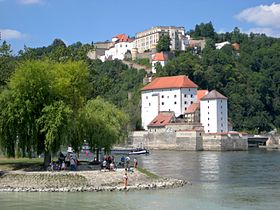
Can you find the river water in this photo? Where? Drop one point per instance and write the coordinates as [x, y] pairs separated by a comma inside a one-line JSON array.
[[220, 180]]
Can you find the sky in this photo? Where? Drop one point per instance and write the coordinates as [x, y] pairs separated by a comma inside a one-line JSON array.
[[36, 23]]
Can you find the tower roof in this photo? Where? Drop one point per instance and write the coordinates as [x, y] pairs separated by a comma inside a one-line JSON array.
[[213, 95], [180, 81]]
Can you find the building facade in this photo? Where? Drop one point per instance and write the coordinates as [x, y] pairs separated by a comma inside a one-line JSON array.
[[121, 45], [147, 40], [175, 94], [214, 112]]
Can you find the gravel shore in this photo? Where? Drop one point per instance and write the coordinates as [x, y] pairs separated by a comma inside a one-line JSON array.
[[81, 181]]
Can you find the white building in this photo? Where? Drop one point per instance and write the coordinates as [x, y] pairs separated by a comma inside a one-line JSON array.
[[214, 112], [148, 39], [221, 45], [121, 45], [158, 58], [174, 93]]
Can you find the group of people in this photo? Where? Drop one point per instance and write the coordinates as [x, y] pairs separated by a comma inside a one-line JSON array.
[[125, 162], [108, 163], [57, 166]]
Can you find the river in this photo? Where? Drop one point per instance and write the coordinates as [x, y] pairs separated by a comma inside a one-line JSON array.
[[220, 180]]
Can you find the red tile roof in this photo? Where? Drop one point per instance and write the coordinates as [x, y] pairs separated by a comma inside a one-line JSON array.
[[180, 81], [159, 57], [193, 107], [161, 119], [122, 38], [201, 93]]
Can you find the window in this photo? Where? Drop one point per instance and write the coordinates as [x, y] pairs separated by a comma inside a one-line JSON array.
[[185, 102], [208, 112], [208, 107], [185, 95], [175, 96], [189, 89], [191, 102], [208, 118], [162, 103], [208, 131], [146, 97], [175, 102], [120, 45], [185, 108], [208, 125], [222, 131], [191, 95], [208, 101], [162, 96], [167, 96], [221, 118], [222, 125], [149, 104]]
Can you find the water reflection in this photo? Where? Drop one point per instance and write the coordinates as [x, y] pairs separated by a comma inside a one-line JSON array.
[[209, 167]]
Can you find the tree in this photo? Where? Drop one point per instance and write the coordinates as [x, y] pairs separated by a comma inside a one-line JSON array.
[[102, 124], [163, 43], [203, 30], [7, 64], [41, 100]]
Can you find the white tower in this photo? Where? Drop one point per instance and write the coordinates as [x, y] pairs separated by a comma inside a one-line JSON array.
[[214, 112]]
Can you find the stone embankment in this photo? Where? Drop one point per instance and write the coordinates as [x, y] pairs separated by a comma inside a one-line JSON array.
[[81, 181]]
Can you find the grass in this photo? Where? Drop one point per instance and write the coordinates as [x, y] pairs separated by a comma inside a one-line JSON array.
[[148, 173], [19, 163]]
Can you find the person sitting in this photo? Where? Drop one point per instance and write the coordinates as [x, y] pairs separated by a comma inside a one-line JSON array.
[[103, 165], [63, 166], [112, 166]]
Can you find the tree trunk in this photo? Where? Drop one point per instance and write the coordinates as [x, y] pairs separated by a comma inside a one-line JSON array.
[[97, 154], [47, 159]]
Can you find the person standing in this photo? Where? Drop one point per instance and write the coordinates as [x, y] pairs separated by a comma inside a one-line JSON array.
[[135, 163], [125, 180]]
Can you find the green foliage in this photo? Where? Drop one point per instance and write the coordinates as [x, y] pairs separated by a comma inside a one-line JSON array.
[[203, 30], [102, 124], [144, 61], [42, 97], [163, 43], [7, 64], [248, 77]]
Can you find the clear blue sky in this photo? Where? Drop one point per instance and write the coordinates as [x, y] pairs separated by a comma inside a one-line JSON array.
[[37, 23]]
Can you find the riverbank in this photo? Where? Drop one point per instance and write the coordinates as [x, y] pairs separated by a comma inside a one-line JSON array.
[[82, 181]]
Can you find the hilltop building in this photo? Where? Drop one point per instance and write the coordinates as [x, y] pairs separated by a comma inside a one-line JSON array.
[[121, 45], [147, 40]]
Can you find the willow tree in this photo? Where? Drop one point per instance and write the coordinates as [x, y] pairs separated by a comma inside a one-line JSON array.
[[39, 103], [102, 124]]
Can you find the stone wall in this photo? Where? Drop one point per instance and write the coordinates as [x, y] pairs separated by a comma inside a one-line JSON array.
[[188, 140], [180, 140], [225, 142]]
